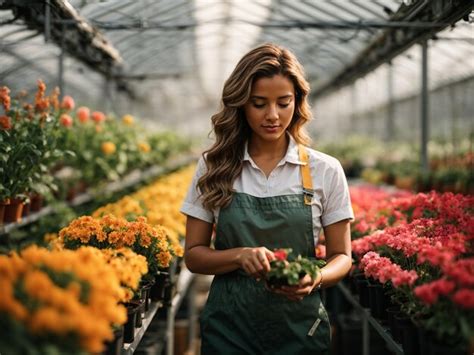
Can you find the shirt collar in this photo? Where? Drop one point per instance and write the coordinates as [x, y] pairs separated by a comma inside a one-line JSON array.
[[291, 155]]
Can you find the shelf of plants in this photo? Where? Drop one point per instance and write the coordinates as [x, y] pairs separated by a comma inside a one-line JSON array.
[[367, 317]]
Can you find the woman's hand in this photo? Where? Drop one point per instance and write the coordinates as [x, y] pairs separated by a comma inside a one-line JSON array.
[[256, 261], [299, 291]]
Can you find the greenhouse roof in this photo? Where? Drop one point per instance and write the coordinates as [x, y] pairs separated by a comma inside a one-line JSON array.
[[193, 45]]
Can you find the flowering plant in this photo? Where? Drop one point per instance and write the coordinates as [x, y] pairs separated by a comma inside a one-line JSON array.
[[29, 136], [288, 270], [112, 232], [62, 302]]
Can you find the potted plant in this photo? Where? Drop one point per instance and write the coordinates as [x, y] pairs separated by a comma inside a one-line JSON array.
[[288, 270]]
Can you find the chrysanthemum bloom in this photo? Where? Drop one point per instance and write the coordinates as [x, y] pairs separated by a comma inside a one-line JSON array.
[[144, 147], [5, 122], [65, 120], [108, 148], [128, 120], [98, 116], [83, 114], [68, 103]]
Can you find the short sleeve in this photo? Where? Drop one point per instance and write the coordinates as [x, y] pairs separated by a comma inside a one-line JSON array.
[[192, 204], [337, 205]]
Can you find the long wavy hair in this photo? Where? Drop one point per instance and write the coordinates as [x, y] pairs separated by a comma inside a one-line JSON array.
[[224, 158]]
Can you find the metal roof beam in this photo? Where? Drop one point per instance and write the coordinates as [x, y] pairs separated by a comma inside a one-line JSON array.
[[394, 41]]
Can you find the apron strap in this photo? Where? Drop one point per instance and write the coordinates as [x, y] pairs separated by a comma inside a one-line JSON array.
[[308, 191]]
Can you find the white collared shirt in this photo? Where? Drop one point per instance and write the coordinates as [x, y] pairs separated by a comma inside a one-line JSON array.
[[330, 204]]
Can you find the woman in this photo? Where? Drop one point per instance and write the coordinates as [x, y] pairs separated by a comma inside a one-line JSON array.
[[263, 189]]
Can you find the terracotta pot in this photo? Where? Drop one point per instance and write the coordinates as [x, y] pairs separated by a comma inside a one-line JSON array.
[[36, 202], [13, 211], [3, 204]]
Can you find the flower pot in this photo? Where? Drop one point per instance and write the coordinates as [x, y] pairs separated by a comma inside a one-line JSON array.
[[392, 312], [409, 335], [146, 287], [363, 290], [157, 291], [423, 341], [129, 328], [438, 348], [13, 211], [114, 347], [140, 314], [377, 301], [36, 202], [3, 205]]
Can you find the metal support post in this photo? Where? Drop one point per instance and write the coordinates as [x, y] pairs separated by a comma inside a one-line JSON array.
[[47, 20], [424, 108], [365, 336], [61, 65], [192, 314], [389, 127]]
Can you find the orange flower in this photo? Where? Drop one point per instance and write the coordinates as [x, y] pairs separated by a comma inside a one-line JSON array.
[[41, 102], [98, 128], [128, 120], [68, 103], [5, 122], [53, 99], [83, 113], [65, 120], [108, 148], [98, 116], [5, 98], [144, 147]]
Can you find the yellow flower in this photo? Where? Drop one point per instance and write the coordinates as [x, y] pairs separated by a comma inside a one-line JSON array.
[[144, 147], [108, 148], [128, 120]]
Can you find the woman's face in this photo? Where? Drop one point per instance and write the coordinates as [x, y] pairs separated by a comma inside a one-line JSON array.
[[270, 108]]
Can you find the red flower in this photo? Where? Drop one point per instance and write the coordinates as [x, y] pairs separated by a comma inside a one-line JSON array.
[[465, 298], [5, 122], [83, 114], [98, 116], [67, 103], [65, 120], [280, 254]]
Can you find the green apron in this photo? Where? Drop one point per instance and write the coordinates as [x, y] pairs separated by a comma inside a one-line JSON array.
[[241, 316]]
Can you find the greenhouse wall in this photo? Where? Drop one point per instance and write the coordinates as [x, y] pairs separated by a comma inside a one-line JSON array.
[[451, 119]]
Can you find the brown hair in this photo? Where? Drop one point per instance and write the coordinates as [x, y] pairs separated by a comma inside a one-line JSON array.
[[224, 158]]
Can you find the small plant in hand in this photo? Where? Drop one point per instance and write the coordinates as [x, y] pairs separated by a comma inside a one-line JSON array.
[[287, 270]]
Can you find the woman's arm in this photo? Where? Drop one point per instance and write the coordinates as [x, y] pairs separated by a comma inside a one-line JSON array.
[[339, 262], [201, 258]]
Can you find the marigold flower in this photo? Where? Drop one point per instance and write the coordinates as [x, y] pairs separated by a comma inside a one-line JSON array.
[[83, 114], [144, 147], [65, 120], [68, 103], [108, 148], [98, 117], [128, 120], [5, 122]]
